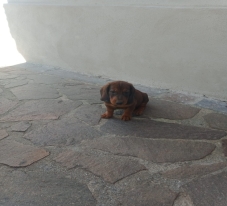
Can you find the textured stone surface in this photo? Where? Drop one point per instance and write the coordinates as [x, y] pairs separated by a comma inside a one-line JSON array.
[[183, 200], [47, 79], [157, 108], [147, 194], [216, 121], [139, 189], [140, 162], [20, 127], [6, 105], [3, 134], [91, 114], [194, 170], [110, 168], [40, 109], [178, 97], [224, 146], [208, 191], [15, 83], [6, 76], [62, 132], [28, 189], [161, 130], [83, 92], [35, 91], [215, 105], [153, 150], [15, 154]]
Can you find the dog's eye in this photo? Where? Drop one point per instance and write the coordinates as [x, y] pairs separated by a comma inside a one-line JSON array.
[[112, 92]]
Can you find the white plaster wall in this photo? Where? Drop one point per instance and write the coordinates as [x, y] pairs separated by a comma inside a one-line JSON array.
[[168, 44]]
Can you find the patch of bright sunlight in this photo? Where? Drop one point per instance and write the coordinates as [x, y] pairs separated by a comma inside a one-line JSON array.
[[9, 54]]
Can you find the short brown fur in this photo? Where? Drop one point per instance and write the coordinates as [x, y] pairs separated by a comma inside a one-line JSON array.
[[122, 95]]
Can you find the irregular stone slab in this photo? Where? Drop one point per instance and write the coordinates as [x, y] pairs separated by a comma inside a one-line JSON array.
[[15, 68], [91, 114], [110, 168], [178, 97], [140, 189], [15, 154], [224, 146], [6, 76], [20, 127], [208, 191], [6, 105], [46, 79], [43, 188], [15, 83], [3, 134], [152, 92], [4, 82], [40, 109], [216, 121], [215, 105], [157, 108], [145, 194], [153, 150], [35, 91], [162, 130], [83, 92], [183, 200], [19, 72], [194, 170], [62, 132]]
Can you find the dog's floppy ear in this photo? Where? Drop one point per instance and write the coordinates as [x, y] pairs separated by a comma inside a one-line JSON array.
[[104, 91], [131, 94]]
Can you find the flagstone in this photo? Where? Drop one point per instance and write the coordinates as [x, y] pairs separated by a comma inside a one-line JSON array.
[[21, 126], [44, 188], [6, 105], [216, 105], [35, 91], [208, 191], [68, 131], [224, 146], [160, 151], [140, 189], [16, 154], [193, 171], [157, 108], [111, 168], [87, 92], [159, 130], [216, 121], [91, 114], [16, 83], [3, 134], [41, 109]]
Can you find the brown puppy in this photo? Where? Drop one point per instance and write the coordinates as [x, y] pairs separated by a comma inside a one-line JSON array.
[[122, 95]]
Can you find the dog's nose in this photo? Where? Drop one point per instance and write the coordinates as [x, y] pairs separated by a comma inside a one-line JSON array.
[[119, 102]]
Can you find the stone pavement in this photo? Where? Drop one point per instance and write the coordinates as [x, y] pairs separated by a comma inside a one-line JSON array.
[[55, 149]]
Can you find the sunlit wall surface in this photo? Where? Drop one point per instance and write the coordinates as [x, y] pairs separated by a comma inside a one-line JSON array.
[[9, 54], [170, 44]]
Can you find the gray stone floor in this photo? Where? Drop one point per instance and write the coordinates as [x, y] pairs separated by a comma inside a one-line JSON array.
[[55, 149]]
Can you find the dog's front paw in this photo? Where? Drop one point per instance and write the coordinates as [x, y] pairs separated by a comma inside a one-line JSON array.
[[125, 117], [139, 110], [106, 115]]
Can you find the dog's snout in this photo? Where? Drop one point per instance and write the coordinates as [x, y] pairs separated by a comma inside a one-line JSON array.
[[119, 102]]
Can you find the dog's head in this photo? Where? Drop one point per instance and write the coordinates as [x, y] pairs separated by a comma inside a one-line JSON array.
[[117, 93]]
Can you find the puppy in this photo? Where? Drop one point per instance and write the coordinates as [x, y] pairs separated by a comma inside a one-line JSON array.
[[122, 95]]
